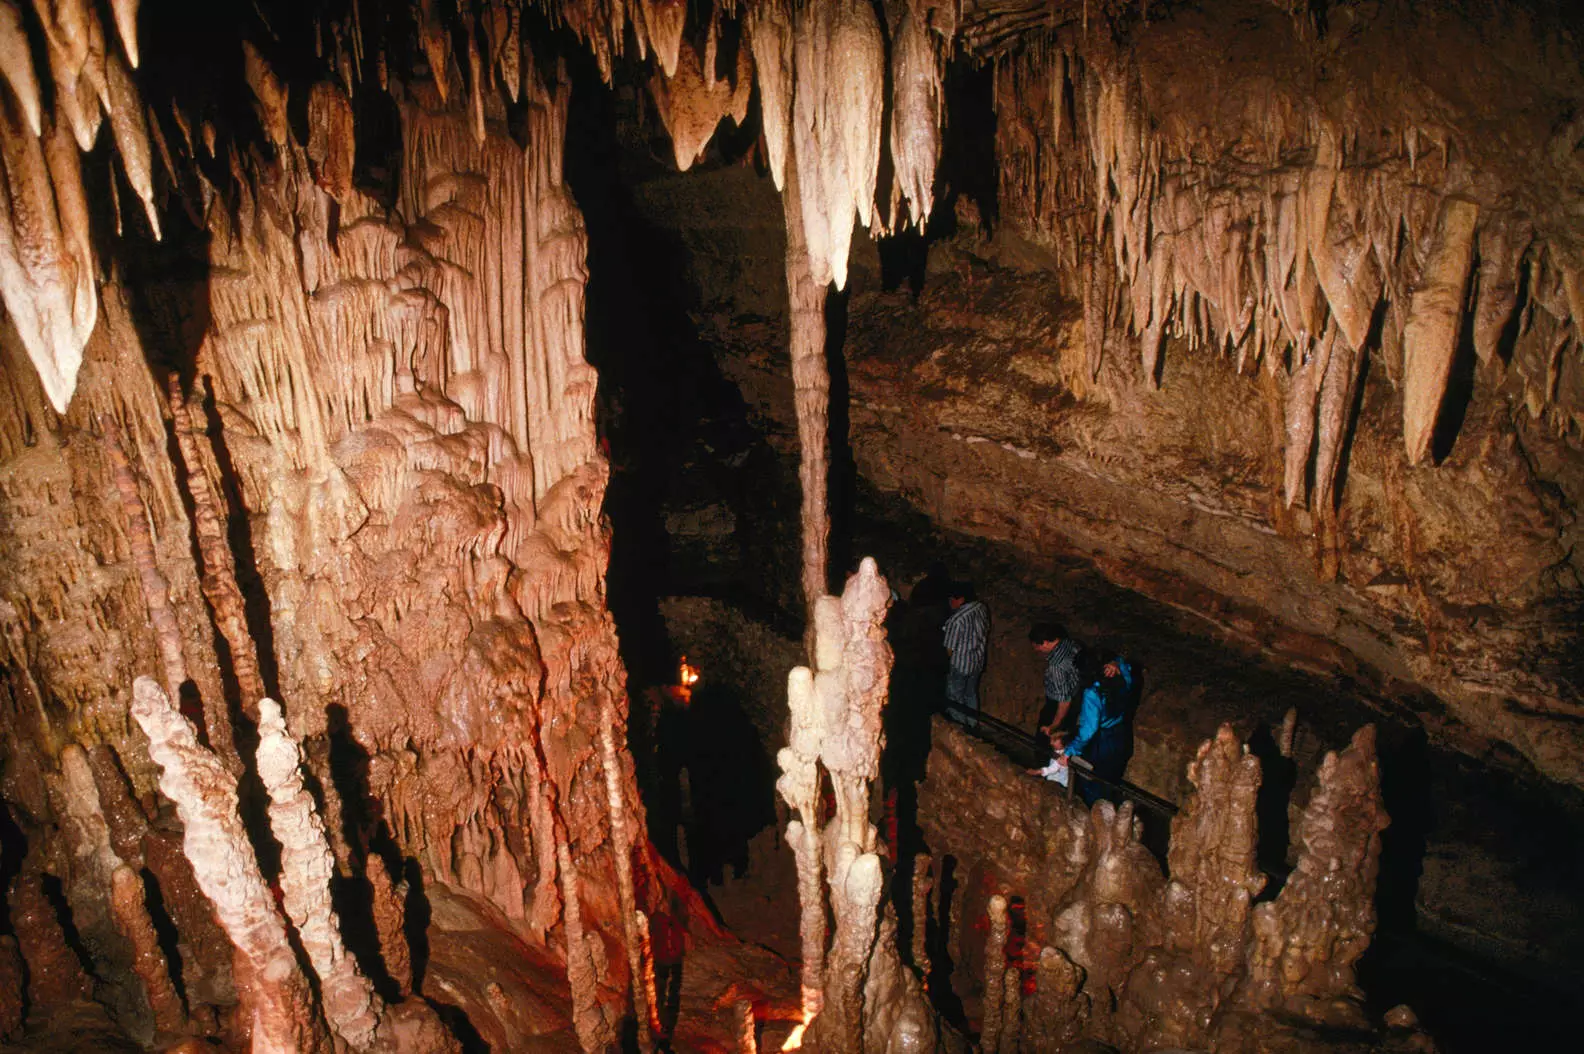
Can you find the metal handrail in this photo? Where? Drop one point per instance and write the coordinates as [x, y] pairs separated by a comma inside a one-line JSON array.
[[1081, 769]]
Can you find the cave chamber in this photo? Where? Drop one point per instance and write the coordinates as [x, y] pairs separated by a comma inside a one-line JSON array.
[[478, 481]]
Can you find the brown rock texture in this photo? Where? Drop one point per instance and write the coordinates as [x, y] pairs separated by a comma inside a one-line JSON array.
[[1130, 959]]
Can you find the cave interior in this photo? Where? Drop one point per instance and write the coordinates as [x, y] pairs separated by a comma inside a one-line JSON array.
[[481, 483]]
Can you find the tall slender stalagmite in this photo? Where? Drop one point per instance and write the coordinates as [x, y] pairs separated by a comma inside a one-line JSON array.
[[621, 846], [307, 867], [811, 390], [995, 975], [277, 1004]]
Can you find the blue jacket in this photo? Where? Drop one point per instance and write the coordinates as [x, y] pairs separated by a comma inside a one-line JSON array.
[[1095, 715]]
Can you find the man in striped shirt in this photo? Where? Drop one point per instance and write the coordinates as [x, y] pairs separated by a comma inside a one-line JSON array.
[[1062, 680], [967, 636]]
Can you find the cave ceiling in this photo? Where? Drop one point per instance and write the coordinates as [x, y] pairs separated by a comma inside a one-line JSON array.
[[1294, 188]]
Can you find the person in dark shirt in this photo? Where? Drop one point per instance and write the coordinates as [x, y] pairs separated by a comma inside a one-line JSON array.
[[966, 635], [1063, 684], [1104, 738]]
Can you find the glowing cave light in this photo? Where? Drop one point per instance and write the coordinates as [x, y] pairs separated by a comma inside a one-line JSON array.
[[687, 676]]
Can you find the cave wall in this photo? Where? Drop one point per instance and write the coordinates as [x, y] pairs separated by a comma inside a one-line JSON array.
[[1016, 400], [395, 427]]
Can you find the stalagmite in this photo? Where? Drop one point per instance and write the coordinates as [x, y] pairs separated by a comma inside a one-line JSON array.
[[89, 891], [16, 64], [1309, 939], [811, 391], [1434, 315], [1011, 1039], [280, 1013], [1059, 1010], [923, 881], [799, 785], [1214, 877], [132, 919], [915, 112], [581, 979], [621, 846], [307, 869], [747, 1028], [769, 26], [388, 906], [995, 975]]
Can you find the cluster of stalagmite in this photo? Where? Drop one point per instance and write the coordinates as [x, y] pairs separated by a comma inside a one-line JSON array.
[[1124, 956], [857, 994]]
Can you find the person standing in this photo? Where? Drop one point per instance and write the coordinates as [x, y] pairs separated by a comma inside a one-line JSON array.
[[1062, 681], [967, 637], [1104, 738]]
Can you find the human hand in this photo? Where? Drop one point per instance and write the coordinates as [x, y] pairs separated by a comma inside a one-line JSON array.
[[1113, 669]]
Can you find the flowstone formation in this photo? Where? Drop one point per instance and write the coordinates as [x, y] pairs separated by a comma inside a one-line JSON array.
[[1120, 953], [332, 443], [857, 993]]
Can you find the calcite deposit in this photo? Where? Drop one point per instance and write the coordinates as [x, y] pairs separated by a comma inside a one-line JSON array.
[[315, 724]]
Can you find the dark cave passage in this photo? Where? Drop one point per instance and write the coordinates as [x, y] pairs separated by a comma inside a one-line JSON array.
[[703, 504]]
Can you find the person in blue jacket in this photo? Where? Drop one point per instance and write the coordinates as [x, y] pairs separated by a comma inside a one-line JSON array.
[[1105, 736]]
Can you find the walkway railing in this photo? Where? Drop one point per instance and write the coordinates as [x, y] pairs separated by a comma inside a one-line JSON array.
[[1022, 745]]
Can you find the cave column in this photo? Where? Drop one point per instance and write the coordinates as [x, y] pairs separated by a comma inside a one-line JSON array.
[[811, 395]]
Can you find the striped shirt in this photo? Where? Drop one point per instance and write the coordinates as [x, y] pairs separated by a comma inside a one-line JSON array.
[[1061, 672], [966, 633]]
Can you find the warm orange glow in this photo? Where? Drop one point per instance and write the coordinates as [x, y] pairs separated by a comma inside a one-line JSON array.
[[795, 1040], [687, 676]]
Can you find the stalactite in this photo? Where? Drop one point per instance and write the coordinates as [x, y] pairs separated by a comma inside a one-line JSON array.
[[219, 577], [621, 846], [332, 139], [132, 919], [1302, 392], [769, 25], [664, 21], [269, 96], [1336, 400], [47, 286], [916, 75], [307, 869], [839, 60], [811, 390], [278, 1006], [130, 129], [16, 64], [1434, 315], [691, 103]]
